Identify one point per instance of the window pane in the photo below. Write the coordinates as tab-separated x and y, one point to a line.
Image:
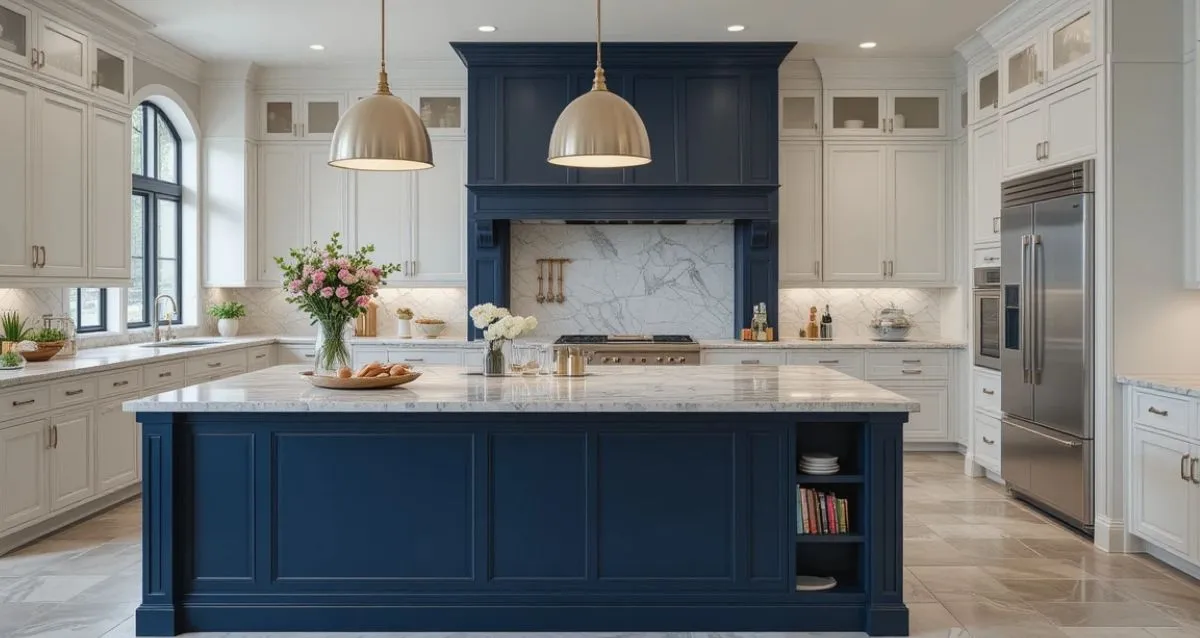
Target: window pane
168	279
90	308
139	127
137	293
137	224
167	151
168	228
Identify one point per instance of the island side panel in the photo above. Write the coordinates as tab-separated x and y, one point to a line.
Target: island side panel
886	612
158	615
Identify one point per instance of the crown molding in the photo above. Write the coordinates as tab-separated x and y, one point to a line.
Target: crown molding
99	17
974	49
168	57
1006	25
886	68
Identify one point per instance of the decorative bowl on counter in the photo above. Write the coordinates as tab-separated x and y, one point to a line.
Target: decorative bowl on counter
429	328
45	351
891	324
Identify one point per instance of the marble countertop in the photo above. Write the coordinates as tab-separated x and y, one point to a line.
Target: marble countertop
1183	384
627	389
836	344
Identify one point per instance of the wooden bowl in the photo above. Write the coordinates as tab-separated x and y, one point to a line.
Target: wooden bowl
45	351
359	383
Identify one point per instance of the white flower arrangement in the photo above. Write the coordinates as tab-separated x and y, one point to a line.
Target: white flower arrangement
500	325
485	314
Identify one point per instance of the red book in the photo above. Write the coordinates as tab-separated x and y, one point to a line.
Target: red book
814	517
831	513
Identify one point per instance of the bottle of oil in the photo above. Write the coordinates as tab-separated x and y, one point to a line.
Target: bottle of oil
812	330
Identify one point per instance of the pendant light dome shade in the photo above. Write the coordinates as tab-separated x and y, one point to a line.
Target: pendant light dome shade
381	132
599	129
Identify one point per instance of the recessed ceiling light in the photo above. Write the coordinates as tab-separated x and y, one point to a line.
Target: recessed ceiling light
317	47
867	45
734	28
487	28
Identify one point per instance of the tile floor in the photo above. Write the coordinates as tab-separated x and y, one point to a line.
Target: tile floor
978	566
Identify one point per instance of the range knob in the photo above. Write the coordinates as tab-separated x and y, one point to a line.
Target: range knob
658	360
606	360
643	360
682	359
670	359
616	359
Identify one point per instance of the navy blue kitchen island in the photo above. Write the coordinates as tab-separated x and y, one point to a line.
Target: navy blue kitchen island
642	499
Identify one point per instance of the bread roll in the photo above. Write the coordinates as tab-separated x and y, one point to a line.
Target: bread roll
398	370
344	372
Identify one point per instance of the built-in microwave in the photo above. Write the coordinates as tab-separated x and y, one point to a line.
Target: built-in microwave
988	312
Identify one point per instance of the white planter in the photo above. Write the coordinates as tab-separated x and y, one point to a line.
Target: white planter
227	327
404	329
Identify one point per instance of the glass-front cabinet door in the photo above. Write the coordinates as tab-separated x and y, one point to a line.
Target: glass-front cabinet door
16	39
279	117
855	113
321	115
916	113
62	52
987	94
110	72
799	113
1072	44
1022	69
443	112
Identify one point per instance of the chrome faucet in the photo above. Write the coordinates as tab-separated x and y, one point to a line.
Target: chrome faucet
170	317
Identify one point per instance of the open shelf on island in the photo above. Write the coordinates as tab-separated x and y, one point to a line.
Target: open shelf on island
842	561
843	440
816	479
829	538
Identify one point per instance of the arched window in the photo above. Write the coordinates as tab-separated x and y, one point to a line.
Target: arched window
157	215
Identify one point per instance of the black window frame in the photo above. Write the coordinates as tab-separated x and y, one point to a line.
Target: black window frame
77	293
154	191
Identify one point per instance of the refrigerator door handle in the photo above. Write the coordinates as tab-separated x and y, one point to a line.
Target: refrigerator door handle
1057	440
1023	339
1037	354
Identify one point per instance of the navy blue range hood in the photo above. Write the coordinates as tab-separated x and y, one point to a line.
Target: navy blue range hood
712	113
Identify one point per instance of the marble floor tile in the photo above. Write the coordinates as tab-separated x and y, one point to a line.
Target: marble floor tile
1106	632
1173	632
933	552
932	620
48	589
957	579
915	591
992	548
69	620
106	559
41	555
1063	591
1031	568
1124	614
987	613
967	531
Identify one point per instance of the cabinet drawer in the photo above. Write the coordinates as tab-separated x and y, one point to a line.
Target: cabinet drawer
447	356
119	382
908	364
746	357
986	442
1164	412
22	402
986	391
258	358
292	354
160	374
846	361
986	258
215	363
72	392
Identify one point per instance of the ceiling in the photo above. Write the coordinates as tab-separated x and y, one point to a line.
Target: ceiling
279	32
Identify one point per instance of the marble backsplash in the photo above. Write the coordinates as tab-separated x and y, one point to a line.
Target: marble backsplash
642	279
853	308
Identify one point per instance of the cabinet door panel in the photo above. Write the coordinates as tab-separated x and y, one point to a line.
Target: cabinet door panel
279	117
932	423
1071	120
16	41
61	221
116	447
23	473
65	51
918	193
1024	131
325	201
110	218
280	208
1022	68
986	176
855	113
111	72
1160	497
855	213
1072	44
439	218
382	201
71	478
917	113
800	212
16	153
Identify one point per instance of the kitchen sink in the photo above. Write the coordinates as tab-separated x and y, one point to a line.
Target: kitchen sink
180	343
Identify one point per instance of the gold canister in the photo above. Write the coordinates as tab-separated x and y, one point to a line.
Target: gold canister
576	363
561	362
367	324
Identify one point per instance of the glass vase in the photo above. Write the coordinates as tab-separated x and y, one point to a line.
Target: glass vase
333	347
493	359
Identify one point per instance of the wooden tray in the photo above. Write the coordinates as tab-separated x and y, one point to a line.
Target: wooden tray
356	383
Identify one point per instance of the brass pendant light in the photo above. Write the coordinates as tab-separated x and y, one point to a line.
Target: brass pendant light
381	132
599	129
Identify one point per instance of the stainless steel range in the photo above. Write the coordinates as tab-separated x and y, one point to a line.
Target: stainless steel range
650	350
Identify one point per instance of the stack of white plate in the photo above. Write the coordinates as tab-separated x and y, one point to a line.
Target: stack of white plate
819	464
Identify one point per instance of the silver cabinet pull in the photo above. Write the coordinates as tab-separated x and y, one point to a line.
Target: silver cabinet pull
35	257
891	268
261	356
54	437
120	384
911	361
215	364
750	362
988	441
74	393
1046	149
829	362
310	355
883	267
989	392
43	249
911	371
991	259
1195	479
1183	469
33	57
17	404
42	65
414	361
163	375
995	224
817	267
1154	410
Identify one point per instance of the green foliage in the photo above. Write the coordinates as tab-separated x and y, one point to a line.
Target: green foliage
47	335
12	325
227	310
10	360
316	278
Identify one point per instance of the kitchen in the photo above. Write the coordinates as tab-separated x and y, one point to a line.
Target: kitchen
836	176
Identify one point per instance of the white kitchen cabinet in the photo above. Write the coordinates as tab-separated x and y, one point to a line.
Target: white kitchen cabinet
1163	500
849	362
299	116
116	447
71	477
1071	42
112	71
1057	129
799	113
60	227
987	93
25	496
932	423
799	212
986	177
18	102
62	51
744	357
260	358
855	224
301	200
1049	52
291	354
1021	67
894	113
111	183
362	355
381	205
17	40
918	194
886	209
442	111
429	356
987	444
325	210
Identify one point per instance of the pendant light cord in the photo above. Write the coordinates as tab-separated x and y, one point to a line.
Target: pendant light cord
598	83
383	88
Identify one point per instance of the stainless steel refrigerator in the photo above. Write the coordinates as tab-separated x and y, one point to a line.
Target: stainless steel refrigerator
1047	256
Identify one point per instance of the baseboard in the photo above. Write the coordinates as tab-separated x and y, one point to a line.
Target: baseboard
1172	560
927	446
992	476
1109	535
971	468
26	535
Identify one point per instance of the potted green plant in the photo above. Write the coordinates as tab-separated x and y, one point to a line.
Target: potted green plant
49	341
227	314
13	328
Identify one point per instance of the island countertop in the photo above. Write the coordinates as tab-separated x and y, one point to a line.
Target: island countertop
609	389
